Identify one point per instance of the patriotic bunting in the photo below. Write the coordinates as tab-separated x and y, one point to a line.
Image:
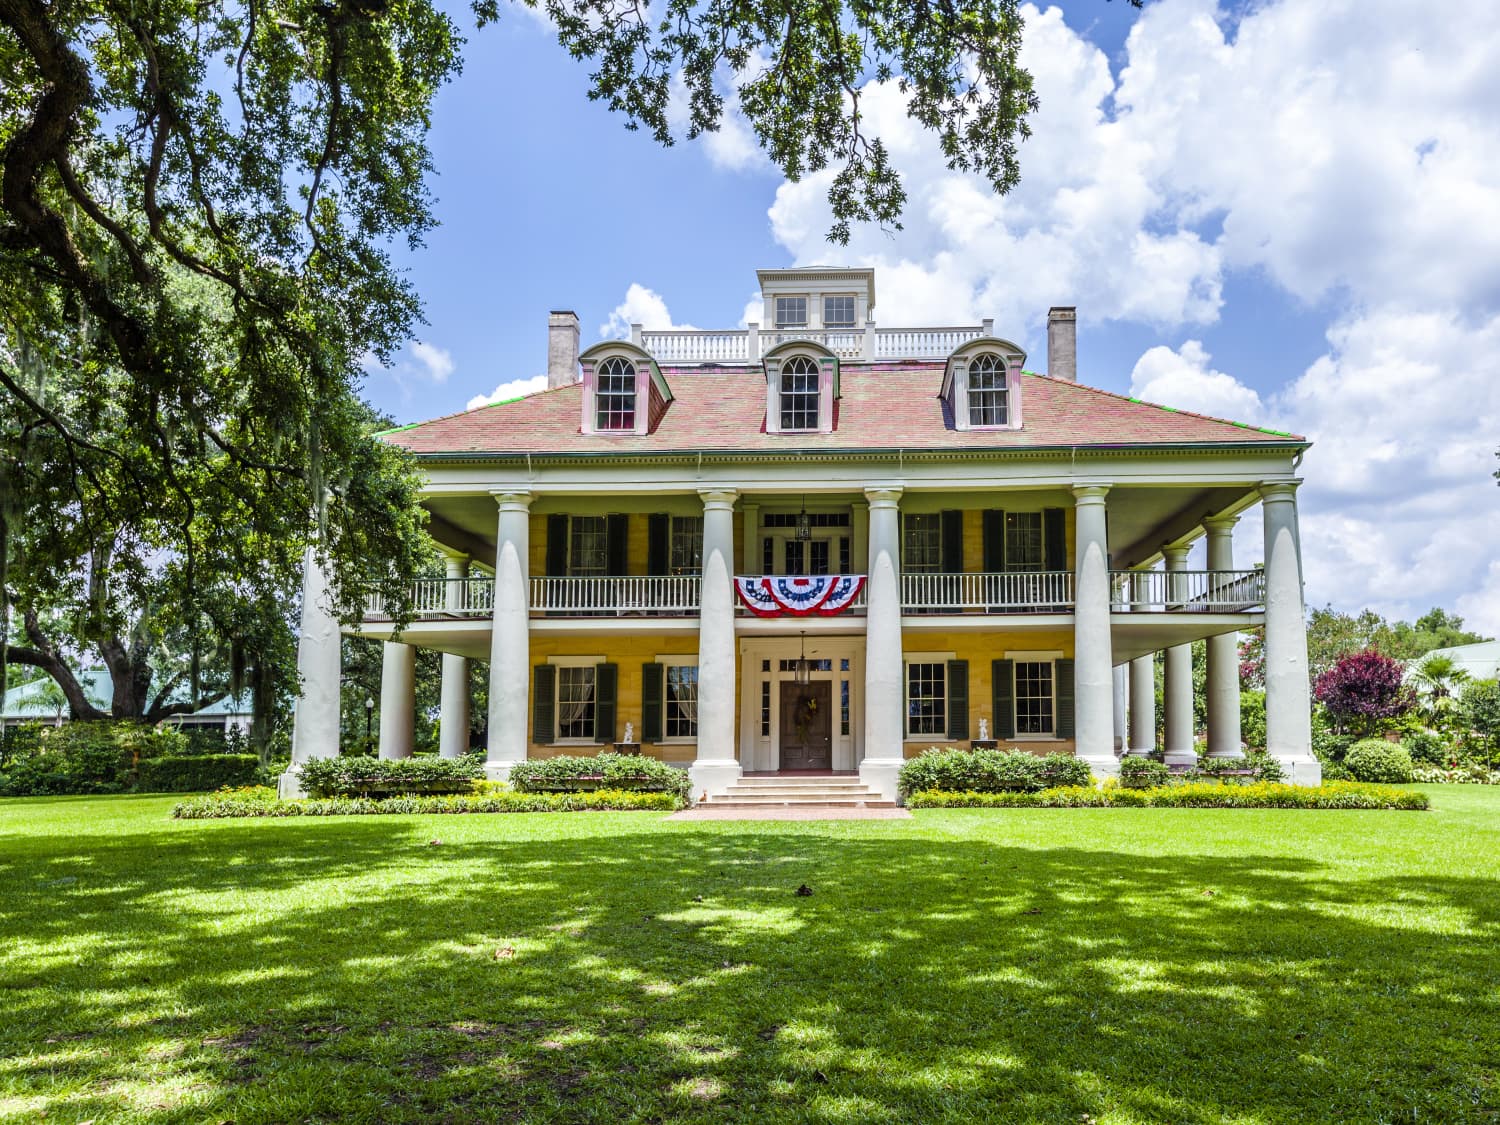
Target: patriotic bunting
824	594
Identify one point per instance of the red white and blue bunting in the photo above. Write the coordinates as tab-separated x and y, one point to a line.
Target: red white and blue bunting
775	596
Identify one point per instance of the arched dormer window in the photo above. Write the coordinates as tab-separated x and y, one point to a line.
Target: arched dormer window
614	395
989	404
982	385
799	394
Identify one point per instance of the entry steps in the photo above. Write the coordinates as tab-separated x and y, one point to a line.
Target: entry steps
832	791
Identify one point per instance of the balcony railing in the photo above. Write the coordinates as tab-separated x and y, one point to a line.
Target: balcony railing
668	596
747	345
1047	591
443	597
1189	591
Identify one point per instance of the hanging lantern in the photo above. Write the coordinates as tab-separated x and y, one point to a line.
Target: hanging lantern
802	669
804	525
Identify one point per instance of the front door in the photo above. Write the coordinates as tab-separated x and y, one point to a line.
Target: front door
807	726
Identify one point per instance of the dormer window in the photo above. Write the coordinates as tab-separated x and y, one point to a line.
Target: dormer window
988	402
799	394
791	312
614	395
838	312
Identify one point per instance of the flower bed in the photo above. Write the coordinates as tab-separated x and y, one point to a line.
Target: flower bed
572	773
241	803
1190	795
1456	774
990	771
364	777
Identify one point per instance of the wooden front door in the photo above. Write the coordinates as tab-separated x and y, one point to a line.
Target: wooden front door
807	726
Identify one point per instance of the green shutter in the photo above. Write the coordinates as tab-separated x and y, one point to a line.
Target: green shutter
1054	539
557	546
1062	687
958	700
606	690
658	543
953	542
616	539
994	541
1003	696
651	702
544	705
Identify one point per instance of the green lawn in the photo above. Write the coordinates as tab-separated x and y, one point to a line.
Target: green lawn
1043	965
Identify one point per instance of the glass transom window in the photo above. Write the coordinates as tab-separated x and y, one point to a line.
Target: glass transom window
838	312
791	312
588	546
1023	541
987	395
926	699
614	395
799	394
575	703
1034	697
682	701
923	546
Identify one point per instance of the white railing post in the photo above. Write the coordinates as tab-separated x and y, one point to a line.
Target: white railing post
868	349
752	341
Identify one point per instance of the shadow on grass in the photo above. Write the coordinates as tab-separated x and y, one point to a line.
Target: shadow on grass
634	970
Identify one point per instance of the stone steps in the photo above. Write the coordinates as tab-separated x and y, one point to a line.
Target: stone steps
816	792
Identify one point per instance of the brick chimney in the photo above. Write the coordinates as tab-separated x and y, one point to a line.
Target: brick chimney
562	348
1062	342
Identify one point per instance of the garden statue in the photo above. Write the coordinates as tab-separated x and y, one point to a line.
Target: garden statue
984	730
629	732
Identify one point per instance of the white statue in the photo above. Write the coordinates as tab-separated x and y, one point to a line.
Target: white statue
984	730
629	732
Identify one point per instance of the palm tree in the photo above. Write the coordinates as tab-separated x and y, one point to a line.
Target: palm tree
1438	678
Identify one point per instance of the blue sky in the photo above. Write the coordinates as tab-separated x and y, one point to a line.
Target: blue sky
1279	214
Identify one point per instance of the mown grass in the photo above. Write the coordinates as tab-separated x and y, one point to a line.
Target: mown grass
1117	966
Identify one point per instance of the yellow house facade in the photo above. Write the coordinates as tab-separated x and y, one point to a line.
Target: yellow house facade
820	547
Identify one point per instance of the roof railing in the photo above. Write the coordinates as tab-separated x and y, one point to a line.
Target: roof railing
747	345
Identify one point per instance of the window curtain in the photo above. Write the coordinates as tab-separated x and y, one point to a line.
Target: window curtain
576	710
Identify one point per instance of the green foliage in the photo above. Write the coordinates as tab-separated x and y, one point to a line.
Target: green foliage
1197	795
214	806
990	771
1258	766
346	776
196	773
1143	773
1471	773
1253	718
1375	759
604	771
1480	707
96	757
1427	747
1328	744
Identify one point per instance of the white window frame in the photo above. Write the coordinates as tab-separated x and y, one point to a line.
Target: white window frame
789	325
907	660
782	394
600	396
1050	656
668	661
853	300
1002	372
560	662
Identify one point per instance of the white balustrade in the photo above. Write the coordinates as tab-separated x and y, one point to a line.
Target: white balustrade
1037	591
616	596
475	597
740	345
922	343
731	346
1190	591
846	343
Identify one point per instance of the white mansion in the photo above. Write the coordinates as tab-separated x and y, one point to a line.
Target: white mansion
816	545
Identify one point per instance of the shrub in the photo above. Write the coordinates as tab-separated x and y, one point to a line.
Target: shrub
214	806
989	771
1143	773
196	773
1253	719
347	777
1335	771
1480	708
82	757
1427	747
1365	688
1255	766
1375	759
570	773
1197	795
1069	797
1472	773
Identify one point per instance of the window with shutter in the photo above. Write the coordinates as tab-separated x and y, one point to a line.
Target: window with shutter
543	704
651	700
606	690
1003	697
958	700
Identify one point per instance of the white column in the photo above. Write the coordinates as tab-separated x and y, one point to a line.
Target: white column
1121	694
859	537
715	767
1288	701
1093	663
398	700
1142	686
1177	682
885	670
315	719
1223	680
510	639
453	706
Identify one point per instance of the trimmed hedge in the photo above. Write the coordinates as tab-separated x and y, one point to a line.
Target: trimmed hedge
196	773
1190	795
217	806
990	771
364	777
573	773
1375	759
1143	773
81	757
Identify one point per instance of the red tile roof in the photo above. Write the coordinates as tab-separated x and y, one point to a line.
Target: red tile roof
882	407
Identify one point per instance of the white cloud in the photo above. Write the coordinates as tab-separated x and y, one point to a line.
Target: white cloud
641	306
507	391
436	362
1184	380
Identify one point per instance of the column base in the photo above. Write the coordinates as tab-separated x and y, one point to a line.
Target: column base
712	776
1301	768
289	784
1224	754
881	775
1139	751
1102	765
497	771
1180	757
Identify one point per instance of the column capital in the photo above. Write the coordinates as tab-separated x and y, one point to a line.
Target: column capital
512	500
718	499
1176	556
884	495
1091	492
1219	525
1272	491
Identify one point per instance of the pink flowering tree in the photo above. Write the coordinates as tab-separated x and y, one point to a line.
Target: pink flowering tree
1364	690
